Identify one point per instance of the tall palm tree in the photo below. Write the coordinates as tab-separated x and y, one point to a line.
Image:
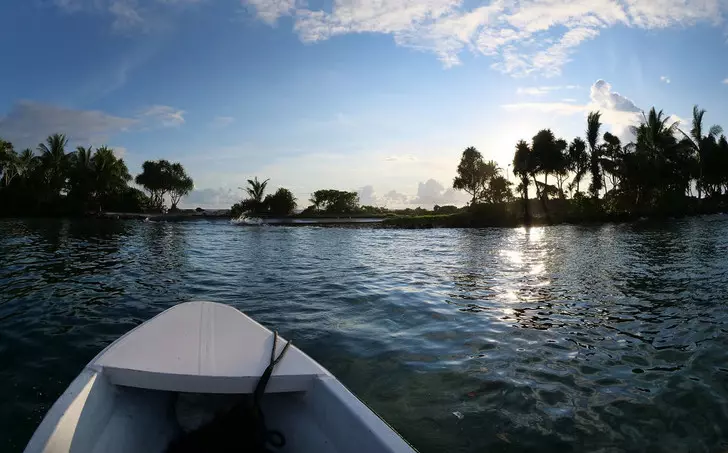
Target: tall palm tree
522	169
579	162
699	142
27	161
611	159
256	189
55	161
593	124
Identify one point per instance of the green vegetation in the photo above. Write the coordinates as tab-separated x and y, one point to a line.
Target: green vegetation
280	204
52	181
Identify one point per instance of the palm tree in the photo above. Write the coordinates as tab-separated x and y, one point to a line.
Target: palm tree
256	189
579	162
522	169
55	161
611	158
27	161
81	173
699	142
593	124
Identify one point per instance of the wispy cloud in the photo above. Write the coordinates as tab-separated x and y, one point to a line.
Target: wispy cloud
129	15
222	121
725	81
665	79
539	91
401	158
28	123
164	115
525	37
617	110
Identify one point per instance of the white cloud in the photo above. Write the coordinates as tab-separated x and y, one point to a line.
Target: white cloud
367	196
126	14
539	91
725	81
429	193
394	198
401	158
432	192
222	121
220	198
617	110
164	115
665	79
270	10
119	151
28	123
524	37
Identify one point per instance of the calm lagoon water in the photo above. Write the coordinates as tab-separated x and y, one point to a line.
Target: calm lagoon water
601	338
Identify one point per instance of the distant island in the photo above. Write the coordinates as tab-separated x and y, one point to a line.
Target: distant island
665	171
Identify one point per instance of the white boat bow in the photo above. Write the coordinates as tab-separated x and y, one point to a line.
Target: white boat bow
123	400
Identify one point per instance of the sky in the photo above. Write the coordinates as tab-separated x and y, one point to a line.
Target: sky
378	96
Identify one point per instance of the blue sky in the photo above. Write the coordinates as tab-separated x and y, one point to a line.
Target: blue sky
375	96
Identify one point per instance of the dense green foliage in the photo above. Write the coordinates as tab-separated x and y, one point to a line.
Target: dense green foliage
280	204
162	178
657	173
482	180
53	181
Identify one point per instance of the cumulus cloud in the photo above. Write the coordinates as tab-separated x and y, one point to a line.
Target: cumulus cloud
367	196
524	37
28	123
164	115
395	198
431	192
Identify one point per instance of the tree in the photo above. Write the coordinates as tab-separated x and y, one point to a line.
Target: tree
54	161
81	176
474	175
152	178
335	201
180	184
611	159
110	176
8	162
578	162
593	124
700	143
522	168
256	189
499	190
281	203
160	178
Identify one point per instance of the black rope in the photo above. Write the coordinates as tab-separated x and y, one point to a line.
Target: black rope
266	436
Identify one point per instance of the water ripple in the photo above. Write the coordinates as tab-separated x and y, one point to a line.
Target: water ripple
609	338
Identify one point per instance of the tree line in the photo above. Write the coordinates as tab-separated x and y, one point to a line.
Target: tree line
664	169
50	181
282	203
